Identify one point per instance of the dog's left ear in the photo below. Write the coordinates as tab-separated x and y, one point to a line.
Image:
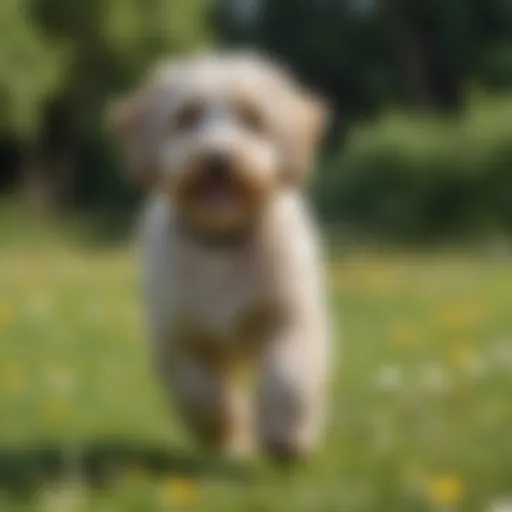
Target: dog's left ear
128	121
308	122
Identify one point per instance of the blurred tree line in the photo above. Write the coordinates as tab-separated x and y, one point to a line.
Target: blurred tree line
61	61
412	152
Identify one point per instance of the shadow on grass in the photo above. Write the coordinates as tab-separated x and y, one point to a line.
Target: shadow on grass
24	470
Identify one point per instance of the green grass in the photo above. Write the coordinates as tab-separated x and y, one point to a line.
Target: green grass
421	403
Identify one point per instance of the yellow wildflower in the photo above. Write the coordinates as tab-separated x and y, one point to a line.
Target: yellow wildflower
6	316
460	316
179	491
404	336
56	409
445	489
377	281
464	355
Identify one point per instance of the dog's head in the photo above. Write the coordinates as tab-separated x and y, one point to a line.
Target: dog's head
220	134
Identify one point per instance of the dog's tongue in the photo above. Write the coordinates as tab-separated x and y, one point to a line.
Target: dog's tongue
219	196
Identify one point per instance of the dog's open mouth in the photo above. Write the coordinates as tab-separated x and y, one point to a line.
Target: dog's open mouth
216	196
218	205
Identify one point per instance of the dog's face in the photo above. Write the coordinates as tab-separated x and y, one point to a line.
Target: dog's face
220	134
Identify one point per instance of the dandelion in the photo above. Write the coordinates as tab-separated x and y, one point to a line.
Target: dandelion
445	489
404	336
6	316
460	316
377	282
179	491
56	409
464	356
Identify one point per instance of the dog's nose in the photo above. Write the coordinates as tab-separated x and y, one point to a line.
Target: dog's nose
218	165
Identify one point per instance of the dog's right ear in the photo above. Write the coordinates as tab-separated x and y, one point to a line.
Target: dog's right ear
310	118
129	120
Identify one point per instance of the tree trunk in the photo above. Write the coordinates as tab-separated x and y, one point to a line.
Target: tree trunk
47	179
411	54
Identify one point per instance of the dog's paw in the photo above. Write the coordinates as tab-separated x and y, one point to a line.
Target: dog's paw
287	452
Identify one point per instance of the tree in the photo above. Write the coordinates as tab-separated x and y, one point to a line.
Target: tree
62	62
31	70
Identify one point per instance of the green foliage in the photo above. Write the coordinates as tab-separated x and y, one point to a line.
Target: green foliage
31	70
60	64
416	176
495	69
139	30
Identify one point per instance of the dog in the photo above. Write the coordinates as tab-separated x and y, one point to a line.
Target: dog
223	144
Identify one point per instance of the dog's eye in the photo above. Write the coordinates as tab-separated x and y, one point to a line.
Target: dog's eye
251	118
188	117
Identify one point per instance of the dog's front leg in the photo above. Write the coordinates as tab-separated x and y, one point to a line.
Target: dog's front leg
213	407
292	392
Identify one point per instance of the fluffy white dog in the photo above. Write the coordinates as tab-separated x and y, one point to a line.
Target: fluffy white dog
232	263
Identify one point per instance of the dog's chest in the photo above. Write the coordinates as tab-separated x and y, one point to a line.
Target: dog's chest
222	298
199	295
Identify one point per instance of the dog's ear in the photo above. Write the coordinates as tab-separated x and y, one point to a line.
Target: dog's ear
308	122
129	120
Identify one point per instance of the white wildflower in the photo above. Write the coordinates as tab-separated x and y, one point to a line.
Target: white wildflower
389	377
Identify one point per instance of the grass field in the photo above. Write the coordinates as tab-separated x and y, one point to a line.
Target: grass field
421	404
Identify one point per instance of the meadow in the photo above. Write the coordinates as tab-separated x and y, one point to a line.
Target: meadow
421	416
